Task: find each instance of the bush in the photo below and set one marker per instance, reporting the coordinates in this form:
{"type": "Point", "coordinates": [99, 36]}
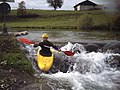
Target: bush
{"type": "Point", "coordinates": [116, 22]}
{"type": "Point", "coordinates": [113, 22]}
{"type": "Point", "coordinates": [28, 15]}
{"type": "Point", "coordinates": [86, 22]}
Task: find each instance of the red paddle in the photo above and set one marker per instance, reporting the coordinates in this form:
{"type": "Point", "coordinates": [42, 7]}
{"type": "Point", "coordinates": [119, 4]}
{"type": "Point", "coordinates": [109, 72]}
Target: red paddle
{"type": "Point", "coordinates": [26, 41]}
{"type": "Point", "coordinates": [69, 53]}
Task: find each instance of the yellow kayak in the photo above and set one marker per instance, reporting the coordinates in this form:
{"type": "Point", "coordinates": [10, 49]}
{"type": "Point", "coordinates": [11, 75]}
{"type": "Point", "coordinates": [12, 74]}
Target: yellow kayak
{"type": "Point", "coordinates": [44, 62]}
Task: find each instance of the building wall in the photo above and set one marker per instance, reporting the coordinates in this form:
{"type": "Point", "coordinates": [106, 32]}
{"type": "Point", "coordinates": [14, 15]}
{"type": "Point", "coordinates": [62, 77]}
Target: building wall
{"type": "Point", "coordinates": [85, 7]}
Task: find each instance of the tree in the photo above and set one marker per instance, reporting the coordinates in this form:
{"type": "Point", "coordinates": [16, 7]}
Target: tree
{"type": "Point", "coordinates": [21, 9]}
{"type": "Point", "coordinates": [55, 3]}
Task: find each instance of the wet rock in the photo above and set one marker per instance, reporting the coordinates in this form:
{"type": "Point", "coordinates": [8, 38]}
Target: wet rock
{"type": "Point", "coordinates": [61, 63]}
{"type": "Point", "coordinates": [113, 47]}
{"type": "Point", "coordinates": [92, 47]}
{"type": "Point", "coordinates": [115, 62]}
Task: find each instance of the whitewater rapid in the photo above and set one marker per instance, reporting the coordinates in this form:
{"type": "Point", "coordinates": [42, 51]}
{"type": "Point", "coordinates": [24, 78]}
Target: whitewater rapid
{"type": "Point", "coordinates": [91, 71]}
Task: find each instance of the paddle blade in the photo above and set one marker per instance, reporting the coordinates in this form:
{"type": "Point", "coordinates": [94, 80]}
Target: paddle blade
{"type": "Point", "coordinates": [26, 41]}
{"type": "Point", "coordinates": [69, 53]}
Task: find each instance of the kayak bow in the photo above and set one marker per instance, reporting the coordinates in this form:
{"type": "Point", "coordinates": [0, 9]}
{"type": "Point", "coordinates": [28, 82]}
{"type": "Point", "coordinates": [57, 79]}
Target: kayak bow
{"type": "Point", "coordinates": [44, 62]}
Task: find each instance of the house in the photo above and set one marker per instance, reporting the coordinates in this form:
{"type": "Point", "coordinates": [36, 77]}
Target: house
{"type": "Point", "coordinates": [85, 5]}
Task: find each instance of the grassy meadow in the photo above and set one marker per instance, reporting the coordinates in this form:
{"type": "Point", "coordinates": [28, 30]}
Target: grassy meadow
{"type": "Point", "coordinates": [50, 19]}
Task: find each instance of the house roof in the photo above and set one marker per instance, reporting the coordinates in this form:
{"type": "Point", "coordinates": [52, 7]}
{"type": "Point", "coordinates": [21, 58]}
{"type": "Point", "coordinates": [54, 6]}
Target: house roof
{"type": "Point", "coordinates": [87, 2]}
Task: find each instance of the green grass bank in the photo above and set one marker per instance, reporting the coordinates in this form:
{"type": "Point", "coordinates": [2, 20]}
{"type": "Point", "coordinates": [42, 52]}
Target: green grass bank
{"type": "Point", "coordinates": [16, 71]}
{"type": "Point", "coordinates": [50, 19]}
{"type": "Point", "coordinates": [11, 56]}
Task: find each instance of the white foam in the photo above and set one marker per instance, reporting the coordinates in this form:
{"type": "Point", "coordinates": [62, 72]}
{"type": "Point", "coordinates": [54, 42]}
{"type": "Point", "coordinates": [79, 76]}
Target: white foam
{"type": "Point", "coordinates": [104, 79]}
{"type": "Point", "coordinates": [91, 72]}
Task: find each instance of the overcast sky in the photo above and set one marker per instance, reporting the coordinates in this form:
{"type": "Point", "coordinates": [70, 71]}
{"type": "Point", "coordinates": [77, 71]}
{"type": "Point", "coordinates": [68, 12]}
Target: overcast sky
{"type": "Point", "coordinates": [42, 4]}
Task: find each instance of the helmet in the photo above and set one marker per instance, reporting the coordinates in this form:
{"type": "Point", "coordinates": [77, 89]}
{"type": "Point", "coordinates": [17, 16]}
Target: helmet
{"type": "Point", "coordinates": [45, 35]}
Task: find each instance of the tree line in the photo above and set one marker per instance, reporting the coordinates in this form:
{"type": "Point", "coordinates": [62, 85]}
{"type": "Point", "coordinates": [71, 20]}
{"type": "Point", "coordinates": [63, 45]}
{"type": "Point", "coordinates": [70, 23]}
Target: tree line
{"type": "Point", "coordinates": [21, 11]}
{"type": "Point", "coordinates": [52, 3]}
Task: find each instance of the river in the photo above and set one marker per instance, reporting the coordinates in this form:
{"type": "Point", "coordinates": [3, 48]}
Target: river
{"type": "Point", "coordinates": [76, 36]}
{"type": "Point", "coordinates": [90, 70]}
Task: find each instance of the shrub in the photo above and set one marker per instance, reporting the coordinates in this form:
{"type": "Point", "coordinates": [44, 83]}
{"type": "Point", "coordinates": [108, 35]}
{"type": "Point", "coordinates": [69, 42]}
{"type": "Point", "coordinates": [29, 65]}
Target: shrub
{"type": "Point", "coordinates": [113, 22]}
{"type": "Point", "coordinates": [85, 22]}
{"type": "Point", "coordinates": [28, 15]}
{"type": "Point", "coordinates": [116, 22]}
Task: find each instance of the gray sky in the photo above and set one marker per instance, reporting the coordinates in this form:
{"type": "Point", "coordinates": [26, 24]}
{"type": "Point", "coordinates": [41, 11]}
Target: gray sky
{"type": "Point", "coordinates": [42, 4]}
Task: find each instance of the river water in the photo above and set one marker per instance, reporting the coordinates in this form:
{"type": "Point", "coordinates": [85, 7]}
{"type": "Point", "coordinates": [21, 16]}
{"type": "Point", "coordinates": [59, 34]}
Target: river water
{"type": "Point", "coordinates": [76, 36]}
{"type": "Point", "coordinates": [90, 70]}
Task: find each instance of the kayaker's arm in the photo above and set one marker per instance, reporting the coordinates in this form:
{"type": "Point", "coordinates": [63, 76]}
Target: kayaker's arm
{"type": "Point", "coordinates": [36, 44]}
{"type": "Point", "coordinates": [55, 47]}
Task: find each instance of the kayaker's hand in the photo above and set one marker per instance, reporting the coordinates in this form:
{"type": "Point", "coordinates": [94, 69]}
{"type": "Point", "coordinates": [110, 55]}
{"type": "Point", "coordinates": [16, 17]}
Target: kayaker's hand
{"type": "Point", "coordinates": [36, 44]}
{"type": "Point", "coordinates": [59, 50]}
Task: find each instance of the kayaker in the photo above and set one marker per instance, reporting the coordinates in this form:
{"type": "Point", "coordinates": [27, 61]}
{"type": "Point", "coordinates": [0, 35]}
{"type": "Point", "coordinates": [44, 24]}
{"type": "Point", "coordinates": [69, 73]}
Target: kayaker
{"type": "Point", "coordinates": [60, 61]}
{"type": "Point", "coordinates": [45, 46]}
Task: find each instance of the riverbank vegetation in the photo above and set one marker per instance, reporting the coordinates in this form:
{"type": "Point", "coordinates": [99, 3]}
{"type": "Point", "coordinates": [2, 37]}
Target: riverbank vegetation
{"type": "Point", "coordinates": [16, 71]}
{"type": "Point", "coordinates": [11, 56]}
{"type": "Point", "coordinates": [50, 19]}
